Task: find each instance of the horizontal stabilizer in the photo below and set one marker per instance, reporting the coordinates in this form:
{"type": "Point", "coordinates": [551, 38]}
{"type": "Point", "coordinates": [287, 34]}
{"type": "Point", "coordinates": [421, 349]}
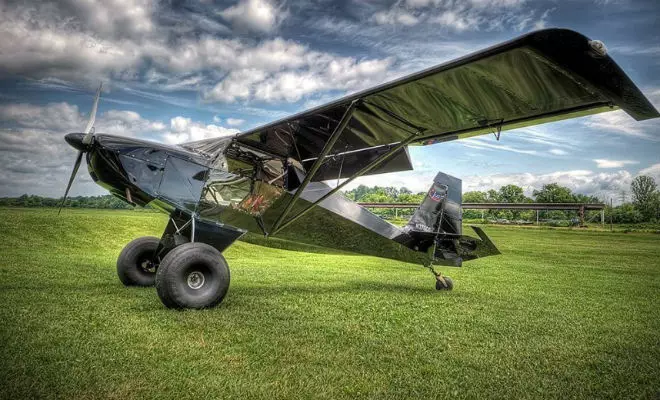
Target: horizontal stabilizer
{"type": "Point", "coordinates": [453, 250]}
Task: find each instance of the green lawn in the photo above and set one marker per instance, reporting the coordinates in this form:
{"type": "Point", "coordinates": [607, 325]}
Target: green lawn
{"type": "Point", "coordinates": [561, 314]}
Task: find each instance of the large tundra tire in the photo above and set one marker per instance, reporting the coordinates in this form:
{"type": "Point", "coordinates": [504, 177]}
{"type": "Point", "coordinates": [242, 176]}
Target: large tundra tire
{"type": "Point", "coordinates": [135, 264]}
{"type": "Point", "coordinates": [192, 275]}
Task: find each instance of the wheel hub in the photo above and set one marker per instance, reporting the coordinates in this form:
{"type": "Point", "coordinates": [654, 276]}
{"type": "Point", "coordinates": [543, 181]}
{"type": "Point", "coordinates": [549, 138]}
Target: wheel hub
{"type": "Point", "coordinates": [148, 266]}
{"type": "Point", "coordinates": [196, 280]}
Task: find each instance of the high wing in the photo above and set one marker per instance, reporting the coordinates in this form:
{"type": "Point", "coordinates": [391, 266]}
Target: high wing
{"type": "Point", "coordinates": [543, 76]}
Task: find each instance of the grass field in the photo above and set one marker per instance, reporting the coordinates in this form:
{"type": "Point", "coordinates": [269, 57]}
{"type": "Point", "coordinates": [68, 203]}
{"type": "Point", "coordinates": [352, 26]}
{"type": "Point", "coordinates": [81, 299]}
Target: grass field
{"type": "Point", "coordinates": [561, 314]}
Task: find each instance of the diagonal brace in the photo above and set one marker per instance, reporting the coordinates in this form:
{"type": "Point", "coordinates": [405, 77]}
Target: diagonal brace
{"type": "Point", "coordinates": [358, 174]}
{"type": "Point", "coordinates": [345, 119]}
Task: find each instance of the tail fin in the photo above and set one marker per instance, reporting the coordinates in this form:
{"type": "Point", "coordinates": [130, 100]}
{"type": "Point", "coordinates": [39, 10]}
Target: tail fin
{"type": "Point", "coordinates": [435, 228]}
{"type": "Point", "coordinates": [441, 210]}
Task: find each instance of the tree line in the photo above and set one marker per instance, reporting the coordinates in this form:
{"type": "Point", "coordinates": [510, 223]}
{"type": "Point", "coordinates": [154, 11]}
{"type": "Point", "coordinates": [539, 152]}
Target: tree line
{"type": "Point", "coordinates": [644, 207]}
{"type": "Point", "coordinates": [106, 201]}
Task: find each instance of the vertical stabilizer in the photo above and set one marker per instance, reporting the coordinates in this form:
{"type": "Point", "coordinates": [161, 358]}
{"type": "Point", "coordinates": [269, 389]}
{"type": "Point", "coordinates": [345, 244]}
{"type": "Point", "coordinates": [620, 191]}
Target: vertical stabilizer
{"type": "Point", "coordinates": [441, 209]}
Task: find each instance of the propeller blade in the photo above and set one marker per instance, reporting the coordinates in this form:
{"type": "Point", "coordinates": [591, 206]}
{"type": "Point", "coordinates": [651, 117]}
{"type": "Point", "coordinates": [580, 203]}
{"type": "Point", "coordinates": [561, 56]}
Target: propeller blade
{"type": "Point", "coordinates": [92, 117]}
{"type": "Point", "coordinates": [73, 176]}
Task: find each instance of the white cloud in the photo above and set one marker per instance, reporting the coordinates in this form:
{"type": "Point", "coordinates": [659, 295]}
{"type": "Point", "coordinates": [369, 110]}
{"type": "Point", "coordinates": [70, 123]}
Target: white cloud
{"type": "Point", "coordinates": [484, 143]}
{"type": "Point", "coordinates": [395, 16]}
{"type": "Point", "coordinates": [115, 17]}
{"type": "Point", "coordinates": [497, 3]}
{"type": "Point", "coordinates": [185, 130]}
{"type": "Point", "coordinates": [322, 73]}
{"type": "Point", "coordinates": [618, 122]}
{"type": "Point", "coordinates": [558, 152]}
{"type": "Point", "coordinates": [54, 116]}
{"type": "Point", "coordinates": [35, 52]}
{"type": "Point", "coordinates": [126, 123]}
{"type": "Point", "coordinates": [235, 121]}
{"type": "Point", "coordinates": [605, 163]}
{"type": "Point", "coordinates": [254, 15]}
{"type": "Point", "coordinates": [452, 19]}
{"type": "Point", "coordinates": [653, 171]}
{"type": "Point", "coordinates": [603, 185]}
{"type": "Point", "coordinates": [55, 43]}
{"type": "Point", "coordinates": [462, 16]}
{"type": "Point", "coordinates": [546, 135]}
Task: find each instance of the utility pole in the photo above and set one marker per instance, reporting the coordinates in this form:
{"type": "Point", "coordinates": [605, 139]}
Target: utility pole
{"type": "Point", "coordinates": [611, 213]}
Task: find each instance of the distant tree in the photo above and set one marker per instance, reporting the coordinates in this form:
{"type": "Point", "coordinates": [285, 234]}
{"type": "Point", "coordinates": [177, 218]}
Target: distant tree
{"type": "Point", "coordinates": [357, 193]}
{"type": "Point", "coordinates": [391, 192]}
{"type": "Point", "coordinates": [492, 196]}
{"type": "Point", "coordinates": [582, 198]}
{"type": "Point", "coordinates": [643, 188]}
{"type": "Point", "coordinates": [624, 214]}
{"type": "Point", "coordinates": [511, 194]}
{"type": "Point", "coordinates": [474, 197]}
{"type": "Point", "coordinates": [107, 201]}
{"type": "Point", "coordinates": [377, 198]}
{"type": "Point", "coordinates": [553, 193]}
{"type": "Point", "coordinates": [410, 198]}
{"type": "Point", "coordinates": [645, 196]}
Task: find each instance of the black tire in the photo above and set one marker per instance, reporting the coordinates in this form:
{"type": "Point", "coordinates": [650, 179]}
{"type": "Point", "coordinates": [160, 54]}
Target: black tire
{"type": "Point", "coordinates": [449, 284]}
{"type": "Point", "coordinates": [192, 275]}
{"type": "Point", "coordinates": [135, 265]}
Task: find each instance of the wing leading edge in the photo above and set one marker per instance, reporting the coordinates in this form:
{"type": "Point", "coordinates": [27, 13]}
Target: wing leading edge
{"type": "Point", "coordinates": [543, 76]}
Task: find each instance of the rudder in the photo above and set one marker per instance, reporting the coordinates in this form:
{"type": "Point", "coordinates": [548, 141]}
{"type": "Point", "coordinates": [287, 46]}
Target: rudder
{"type": "Point", "coordinates": [441, 210]}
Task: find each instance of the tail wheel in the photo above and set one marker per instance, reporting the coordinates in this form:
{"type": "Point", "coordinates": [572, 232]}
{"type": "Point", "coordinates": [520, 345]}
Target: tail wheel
{"type": "Point", "coordinates": [192, 275]}
{"type": "Point", "coordinates": [136, 264]}
{"type": "Point", "coordinates": [444, 283]}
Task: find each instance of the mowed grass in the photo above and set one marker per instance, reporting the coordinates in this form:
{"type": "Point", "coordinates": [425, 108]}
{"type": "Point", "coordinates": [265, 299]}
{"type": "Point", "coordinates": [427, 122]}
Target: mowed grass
{"type": "Point", "coordinates": [561, 314]}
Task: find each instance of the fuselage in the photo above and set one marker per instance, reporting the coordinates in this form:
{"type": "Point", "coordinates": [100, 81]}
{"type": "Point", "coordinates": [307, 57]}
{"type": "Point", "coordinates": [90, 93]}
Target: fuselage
{"type": "Point", "coordinates": [239, 188]}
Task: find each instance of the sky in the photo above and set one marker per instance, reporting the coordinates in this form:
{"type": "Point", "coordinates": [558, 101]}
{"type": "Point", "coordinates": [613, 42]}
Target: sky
{"type": "Point", "coordinates": [176, 71]}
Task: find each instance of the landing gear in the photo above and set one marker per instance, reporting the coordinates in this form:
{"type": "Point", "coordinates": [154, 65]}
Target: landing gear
{"type": "Point", "coordinates": [185, 264]}
{"type": "Point", "coordinates": [441, 282]}
{"type": "Point", "coordinates": [192, 275]}
{"type": "Point", "coordinates": [135, 265]}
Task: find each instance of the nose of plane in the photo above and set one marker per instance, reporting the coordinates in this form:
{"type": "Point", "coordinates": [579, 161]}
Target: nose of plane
{"type": "Point", "coordinates": [75, 140]}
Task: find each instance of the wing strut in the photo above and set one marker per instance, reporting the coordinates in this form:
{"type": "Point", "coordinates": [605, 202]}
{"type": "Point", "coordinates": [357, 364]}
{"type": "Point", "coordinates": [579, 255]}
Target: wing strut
{"type": "Point", "coordinates": [374, 164]}
{"type": "Point", "coordinates": [345, 119]}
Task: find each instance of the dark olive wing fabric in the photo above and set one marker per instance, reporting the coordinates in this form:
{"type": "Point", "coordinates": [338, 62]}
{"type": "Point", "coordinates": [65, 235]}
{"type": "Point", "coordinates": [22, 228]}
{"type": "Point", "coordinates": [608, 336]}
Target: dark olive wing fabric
{"type": "Point", "coordinates": [543, 76]}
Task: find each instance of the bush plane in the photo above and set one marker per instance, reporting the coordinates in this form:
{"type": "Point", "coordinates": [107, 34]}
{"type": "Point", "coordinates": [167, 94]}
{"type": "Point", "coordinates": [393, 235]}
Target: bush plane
{"type": "Point", "coordinates": [270, 180]}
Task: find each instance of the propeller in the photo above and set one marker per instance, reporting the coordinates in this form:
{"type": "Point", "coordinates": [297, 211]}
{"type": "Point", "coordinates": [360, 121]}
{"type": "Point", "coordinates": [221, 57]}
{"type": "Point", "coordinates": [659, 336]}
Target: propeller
{"type": "Point", "coordinates": [81, 144]}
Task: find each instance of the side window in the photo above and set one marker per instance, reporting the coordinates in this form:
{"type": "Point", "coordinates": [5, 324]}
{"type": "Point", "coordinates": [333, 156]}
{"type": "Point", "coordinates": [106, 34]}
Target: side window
{"type": "Point", "coordinates": [225, 189]}
{"type": "Point", "coordinates": [182, 182]}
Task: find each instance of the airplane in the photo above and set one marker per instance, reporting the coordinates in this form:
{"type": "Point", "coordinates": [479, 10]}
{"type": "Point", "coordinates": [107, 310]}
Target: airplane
{"type": "Point", "coordinates": [270, 180]}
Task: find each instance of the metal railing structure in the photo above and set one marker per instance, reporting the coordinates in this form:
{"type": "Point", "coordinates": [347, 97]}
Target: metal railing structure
{"type": "Point", "coordinates": [579, 207]}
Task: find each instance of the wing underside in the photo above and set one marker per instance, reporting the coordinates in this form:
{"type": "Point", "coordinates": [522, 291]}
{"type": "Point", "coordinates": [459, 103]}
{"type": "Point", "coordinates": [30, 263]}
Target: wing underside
{"type": "Point", "coordinates": [543, 76]}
